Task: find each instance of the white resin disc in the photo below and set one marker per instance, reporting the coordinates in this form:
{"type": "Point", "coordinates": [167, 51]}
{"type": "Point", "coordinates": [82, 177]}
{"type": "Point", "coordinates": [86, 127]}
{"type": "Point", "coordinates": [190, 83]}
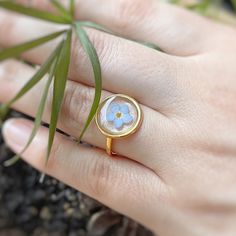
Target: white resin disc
{"type": "Point", "coordinates": [118, 115]}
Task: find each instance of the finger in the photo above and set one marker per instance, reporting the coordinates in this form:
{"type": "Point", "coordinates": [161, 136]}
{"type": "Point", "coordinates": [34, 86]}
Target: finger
{"type": "Point", "coordinates": [127, 67]}
{"type": "Point", "coordinates": [75, 109]}
{"type": "Point", "coordinates": [170, 27]}
{"type": "Point", "coordinates": [90, 171]}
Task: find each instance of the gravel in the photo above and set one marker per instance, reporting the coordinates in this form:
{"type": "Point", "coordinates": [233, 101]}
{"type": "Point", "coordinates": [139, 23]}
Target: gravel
{"type": "Point", "coordinates": [28, 208]}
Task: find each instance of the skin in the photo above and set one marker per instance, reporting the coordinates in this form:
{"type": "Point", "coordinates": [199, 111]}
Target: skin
{"type": "Point", "coordinates": [176, 175]}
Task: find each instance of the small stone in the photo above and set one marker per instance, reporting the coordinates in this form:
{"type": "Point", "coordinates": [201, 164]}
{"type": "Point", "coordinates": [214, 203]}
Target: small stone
{"type": "Point", "coordinates": [69, 212]}
{"type": "Point", "coordinates": [45, 213]}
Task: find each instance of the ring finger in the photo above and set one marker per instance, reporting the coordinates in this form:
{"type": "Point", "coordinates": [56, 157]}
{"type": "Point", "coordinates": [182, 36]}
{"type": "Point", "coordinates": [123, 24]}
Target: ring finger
{"type": "Point", "coordinates": [76, 106]}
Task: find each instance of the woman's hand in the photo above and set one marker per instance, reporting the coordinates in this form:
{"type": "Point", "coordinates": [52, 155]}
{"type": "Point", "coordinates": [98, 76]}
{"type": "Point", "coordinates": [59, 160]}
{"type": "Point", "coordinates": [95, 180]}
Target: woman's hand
{"type": "Point", "coordinates": [177, 174]}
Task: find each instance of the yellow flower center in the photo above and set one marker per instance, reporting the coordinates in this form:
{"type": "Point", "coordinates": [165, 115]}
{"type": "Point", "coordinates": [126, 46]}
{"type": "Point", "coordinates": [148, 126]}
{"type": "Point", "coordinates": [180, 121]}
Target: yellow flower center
{"type": "Point", "coordinates": [118, 115]}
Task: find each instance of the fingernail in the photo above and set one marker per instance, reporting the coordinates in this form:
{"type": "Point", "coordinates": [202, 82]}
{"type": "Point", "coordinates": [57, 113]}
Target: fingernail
{"type": "Point", "coordinates": [16, 133]}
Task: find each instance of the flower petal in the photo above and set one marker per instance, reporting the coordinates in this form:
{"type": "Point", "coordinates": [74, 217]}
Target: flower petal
{"type": "Point", "coordinates": [110, 116]}
{"type": "Point", "coordinates": [118, 123]}
{"type": "Point", "coordinates": [127, 118]}
{"type": "Point", "coordinates": [124, 109]}
{"type": "Point", "coordinates": [115, 107]}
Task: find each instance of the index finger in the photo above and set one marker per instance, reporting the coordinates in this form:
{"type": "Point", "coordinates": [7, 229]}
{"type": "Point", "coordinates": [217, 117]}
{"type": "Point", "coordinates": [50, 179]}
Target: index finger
{"type": "Point", "coordinates": [127, 67]}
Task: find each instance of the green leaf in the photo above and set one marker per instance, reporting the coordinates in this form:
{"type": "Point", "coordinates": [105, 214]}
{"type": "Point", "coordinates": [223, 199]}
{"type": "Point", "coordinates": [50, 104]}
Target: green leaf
{"type": "Point", "coordinates": [38, 117]}
{"type": "Point", "coordinates": [61, 9]}
{"type": "Point", "coordinates": [174, 1]}
{"type": "Point", "coordinates": [72, 8]}
{"type": "Point", "coordinates": [61, 75]}
{"type": "Point", "coordinates": [201, 6]}
{"type": "Point", "coordinates": [96, 26]}
{"type": "Point", "coordinates": [234, 4]}
{"type": "Point", "coordinates": [150, 45]}
{"type": "Point", "coordinates": [92, 54]}
{"type": "Point", "coordinates": [43, 70]}
{"type": "Point", "coordinates": [33, 12]}
{"type": "Point", "coordinates": [18, 49]}
{"type": "Point", "coordinates": [3, 113]}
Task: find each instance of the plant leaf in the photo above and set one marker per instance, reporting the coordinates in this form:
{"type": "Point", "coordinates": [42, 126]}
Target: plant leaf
{"type": "Point", "coordinates": [200, 7]}
{"type": "Point", "coordinates": [150, 45]}
{"type": "Point", "coordinates": [18, 49]}
{"type": "Point", "coordinates": [38, 117]}
{"type": "Point", "coordinates": [61, 75]}
{"type": "Point", "coordinates": [61, 9]}
{"type": "Point", "coordinates": [33, 12]}
{"type": "Point", "coordinates": [3, 112]}
{"type": "Point", "coordinates": [96, 26]}
{"type": "Point", "coordinates": [72, 8]}
{"type": "Point", "coordinates": [234, 4]}
{"type": "Point", "coordinates": [43, 70]}
{"type": "Point", "coordinates": [92, 54]}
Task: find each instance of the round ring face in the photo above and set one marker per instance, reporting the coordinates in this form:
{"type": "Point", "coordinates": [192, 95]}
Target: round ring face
{"type": "Point", "coordinates": [118, 116]}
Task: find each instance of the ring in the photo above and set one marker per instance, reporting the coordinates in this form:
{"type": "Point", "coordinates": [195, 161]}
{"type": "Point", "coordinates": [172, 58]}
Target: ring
{"type": "Point", "coordinates": [118, 116]}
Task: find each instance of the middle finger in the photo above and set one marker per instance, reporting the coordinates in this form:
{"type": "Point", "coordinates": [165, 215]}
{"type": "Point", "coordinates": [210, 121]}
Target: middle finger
{"type": "Point", "coordinates": [129, 68]}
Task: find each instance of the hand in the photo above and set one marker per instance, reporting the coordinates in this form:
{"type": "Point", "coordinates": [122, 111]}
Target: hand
{"type": "Point", "coordinates": [176, 175]}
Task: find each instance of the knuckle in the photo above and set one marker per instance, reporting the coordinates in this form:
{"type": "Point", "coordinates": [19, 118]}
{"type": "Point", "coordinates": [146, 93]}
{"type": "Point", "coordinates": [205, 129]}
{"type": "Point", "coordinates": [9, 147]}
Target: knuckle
{"type": "Point", "coordinates": [9, 69]}
{"type": "Point", "coordinates": [103, 46]}
{"type": "Point", "coordinates": [130, 12]}
{"type": "Point", "coordinates": [100, 177]}
{"type": "Point", "coordinates": [76, 104]}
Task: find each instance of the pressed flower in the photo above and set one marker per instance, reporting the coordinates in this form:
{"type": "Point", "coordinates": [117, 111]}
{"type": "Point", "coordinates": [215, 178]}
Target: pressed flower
{"type": "Point", "coordinates": [119, 115]}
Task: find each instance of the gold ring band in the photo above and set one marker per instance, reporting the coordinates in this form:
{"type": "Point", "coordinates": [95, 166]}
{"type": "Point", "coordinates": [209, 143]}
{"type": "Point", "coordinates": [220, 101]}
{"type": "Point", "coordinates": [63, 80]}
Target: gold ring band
{"type": "Point", "coordinates": [118, 116]}
{"type": "Point", "coordinates": [109, 146]}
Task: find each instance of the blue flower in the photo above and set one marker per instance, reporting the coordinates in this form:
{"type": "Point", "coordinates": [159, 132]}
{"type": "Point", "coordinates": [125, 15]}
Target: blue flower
{"type": "Point", "coordinates": [119, 115]}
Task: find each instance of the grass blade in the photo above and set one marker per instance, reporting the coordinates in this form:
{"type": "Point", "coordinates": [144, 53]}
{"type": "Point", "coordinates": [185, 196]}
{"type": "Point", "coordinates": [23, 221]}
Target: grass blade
{"type": "Point", "coordinates": [38, 118]}
{"type": "Point", "coordinates": [61, 75]}
{"type": "Point", "coordinates": [92, 54]}
{"type": "Point", "coordinates": [33, 12]}
{"type": "Point", "coordinates": [61, 9]}
{"type": "Point", "coordinates": [18, 49]}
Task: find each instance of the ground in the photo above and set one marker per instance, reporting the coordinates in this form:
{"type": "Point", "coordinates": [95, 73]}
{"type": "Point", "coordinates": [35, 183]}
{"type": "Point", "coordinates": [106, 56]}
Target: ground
{"type": "Point", "coordinates": [28, 208]}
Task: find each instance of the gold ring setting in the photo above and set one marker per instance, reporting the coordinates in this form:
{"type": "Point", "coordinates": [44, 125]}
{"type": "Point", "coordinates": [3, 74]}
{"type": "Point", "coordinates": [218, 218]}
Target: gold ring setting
{"type": "Point", "coordinates": [118, 116]}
